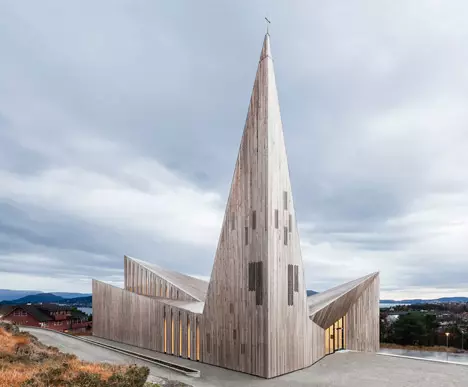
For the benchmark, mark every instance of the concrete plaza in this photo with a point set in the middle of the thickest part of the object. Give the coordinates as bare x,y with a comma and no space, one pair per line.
345,369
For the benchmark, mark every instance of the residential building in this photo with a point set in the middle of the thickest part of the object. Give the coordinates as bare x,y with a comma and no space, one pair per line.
52,316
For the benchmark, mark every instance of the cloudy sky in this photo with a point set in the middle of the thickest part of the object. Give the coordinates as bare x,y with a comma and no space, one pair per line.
120,123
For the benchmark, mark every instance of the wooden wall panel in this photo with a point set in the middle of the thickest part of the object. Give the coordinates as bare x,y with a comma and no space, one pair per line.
138,320
362,321
341,304
229,305
141,280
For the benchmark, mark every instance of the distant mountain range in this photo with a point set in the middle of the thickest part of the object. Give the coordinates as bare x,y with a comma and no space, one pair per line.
421,301
24,296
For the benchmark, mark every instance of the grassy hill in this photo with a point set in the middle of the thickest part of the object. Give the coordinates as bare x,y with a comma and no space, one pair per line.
26,361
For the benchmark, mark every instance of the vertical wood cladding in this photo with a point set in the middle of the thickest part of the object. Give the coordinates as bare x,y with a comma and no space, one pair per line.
143,281
145,322
251,262
255,317
362,320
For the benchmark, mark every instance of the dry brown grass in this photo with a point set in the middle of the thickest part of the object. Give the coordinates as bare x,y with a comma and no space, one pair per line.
23,357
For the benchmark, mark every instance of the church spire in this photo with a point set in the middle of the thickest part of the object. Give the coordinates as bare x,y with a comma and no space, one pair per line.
257,282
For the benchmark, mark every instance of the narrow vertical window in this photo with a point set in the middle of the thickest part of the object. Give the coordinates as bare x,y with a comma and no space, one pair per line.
180,335
246,236
172,332
259,283
197,339
231,308
189,337
290,222
276,219
254,220
234,334
296,278
233,221
165,331
251,276
285,235
208,343
242,349
285,200
290,285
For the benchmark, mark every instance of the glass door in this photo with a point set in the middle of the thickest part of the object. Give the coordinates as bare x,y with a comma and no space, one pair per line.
335,337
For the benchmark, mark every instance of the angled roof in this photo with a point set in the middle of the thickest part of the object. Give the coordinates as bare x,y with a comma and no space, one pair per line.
194,287
32,310
53,307
190,306
6,309
327,307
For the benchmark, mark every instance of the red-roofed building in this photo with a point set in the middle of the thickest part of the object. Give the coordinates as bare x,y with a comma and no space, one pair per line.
52,316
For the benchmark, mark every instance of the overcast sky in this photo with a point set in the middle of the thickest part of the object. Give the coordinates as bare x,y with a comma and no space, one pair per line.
120,123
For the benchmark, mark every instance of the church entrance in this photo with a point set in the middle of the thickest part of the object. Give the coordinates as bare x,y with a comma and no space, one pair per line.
335,337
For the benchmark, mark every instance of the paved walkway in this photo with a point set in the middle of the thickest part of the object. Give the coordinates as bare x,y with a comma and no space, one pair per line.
346,369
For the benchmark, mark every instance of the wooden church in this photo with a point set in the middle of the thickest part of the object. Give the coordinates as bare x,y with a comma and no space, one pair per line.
254,315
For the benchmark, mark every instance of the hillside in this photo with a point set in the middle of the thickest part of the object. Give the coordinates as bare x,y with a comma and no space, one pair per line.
36,298
26,361
10,295
79,300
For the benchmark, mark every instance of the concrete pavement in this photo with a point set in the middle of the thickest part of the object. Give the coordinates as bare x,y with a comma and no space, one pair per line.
347,369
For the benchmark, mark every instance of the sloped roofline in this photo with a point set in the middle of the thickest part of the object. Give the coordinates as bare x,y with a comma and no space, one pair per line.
335,293
154,269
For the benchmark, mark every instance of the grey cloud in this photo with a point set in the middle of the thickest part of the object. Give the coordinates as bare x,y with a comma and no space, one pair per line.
172,83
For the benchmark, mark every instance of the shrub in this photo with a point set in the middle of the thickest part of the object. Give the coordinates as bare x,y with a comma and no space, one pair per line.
134,377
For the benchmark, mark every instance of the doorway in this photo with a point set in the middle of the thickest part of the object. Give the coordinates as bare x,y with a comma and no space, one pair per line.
335,337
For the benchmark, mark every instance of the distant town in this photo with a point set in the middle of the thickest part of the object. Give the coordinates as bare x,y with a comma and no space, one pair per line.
427,324
436,324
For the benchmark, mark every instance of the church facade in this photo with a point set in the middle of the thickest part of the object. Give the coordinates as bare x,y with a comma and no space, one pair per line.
253,315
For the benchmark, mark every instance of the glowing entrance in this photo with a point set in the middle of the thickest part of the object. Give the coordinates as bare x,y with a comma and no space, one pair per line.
335,337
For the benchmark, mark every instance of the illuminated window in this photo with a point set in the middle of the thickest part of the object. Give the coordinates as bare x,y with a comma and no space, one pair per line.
172,332
180,335
165,331
197,339
188,338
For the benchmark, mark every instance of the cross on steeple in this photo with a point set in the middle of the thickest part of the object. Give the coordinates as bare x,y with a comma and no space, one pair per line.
268,23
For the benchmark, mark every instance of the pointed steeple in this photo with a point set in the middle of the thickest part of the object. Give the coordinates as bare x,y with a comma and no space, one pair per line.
266,48
256,302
